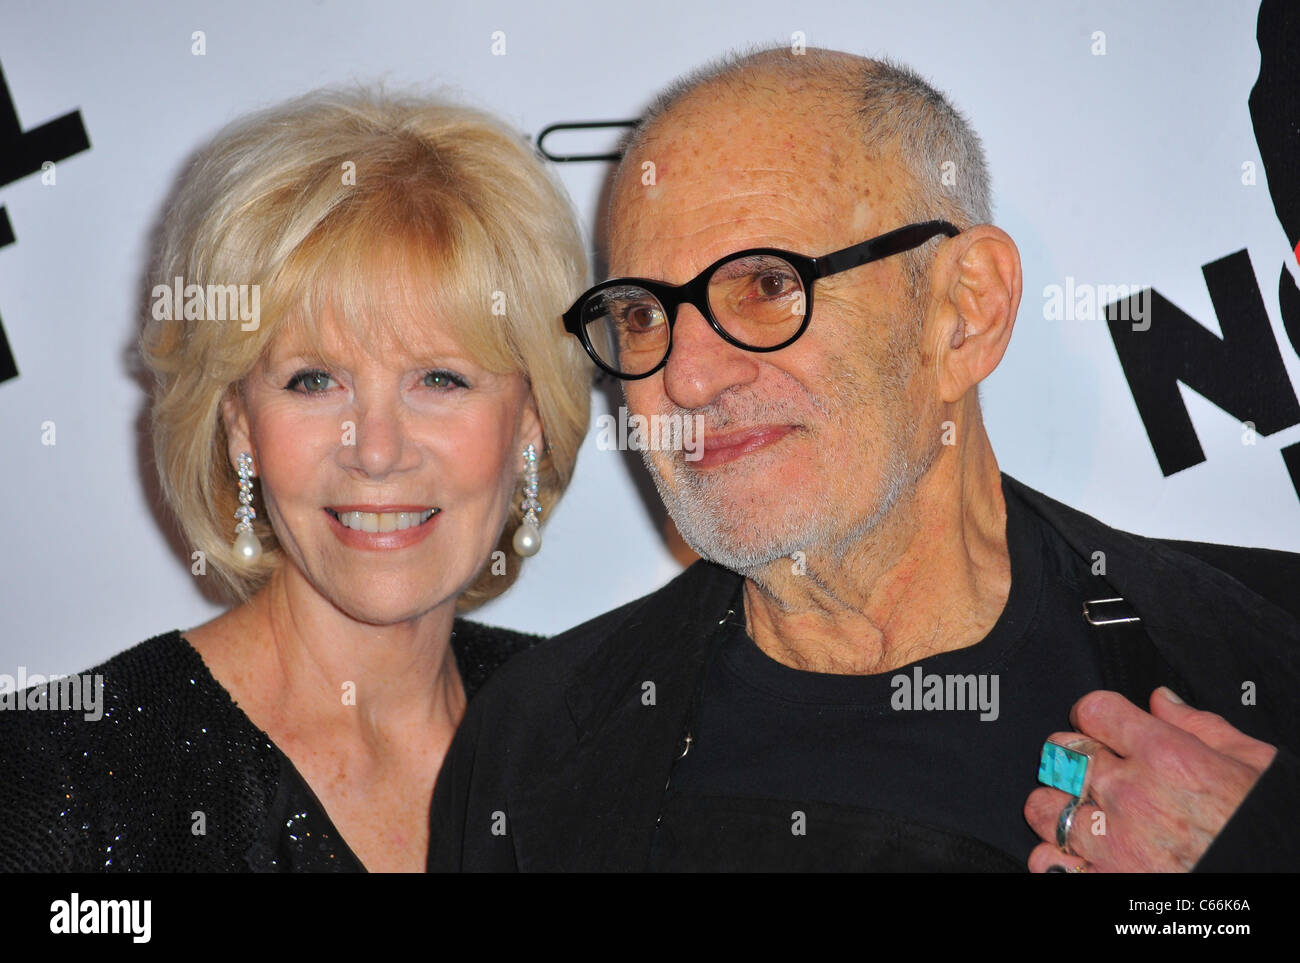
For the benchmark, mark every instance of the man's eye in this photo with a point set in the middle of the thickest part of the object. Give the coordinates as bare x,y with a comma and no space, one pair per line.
310,382
444,380
773,284
641,317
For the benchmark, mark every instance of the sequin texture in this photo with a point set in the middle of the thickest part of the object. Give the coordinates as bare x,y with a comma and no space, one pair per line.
174,777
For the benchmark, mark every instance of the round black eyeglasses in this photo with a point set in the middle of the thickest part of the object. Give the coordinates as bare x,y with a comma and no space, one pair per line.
759,299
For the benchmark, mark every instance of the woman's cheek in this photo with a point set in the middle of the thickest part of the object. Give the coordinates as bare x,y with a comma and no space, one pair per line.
474,454
293,443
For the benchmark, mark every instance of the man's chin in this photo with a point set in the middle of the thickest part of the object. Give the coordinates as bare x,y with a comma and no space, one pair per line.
739,542
746,560
734,522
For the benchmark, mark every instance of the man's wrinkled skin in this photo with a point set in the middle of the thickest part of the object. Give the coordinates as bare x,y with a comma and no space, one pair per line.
1166,784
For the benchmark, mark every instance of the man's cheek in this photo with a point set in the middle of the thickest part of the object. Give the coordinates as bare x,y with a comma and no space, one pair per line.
641,399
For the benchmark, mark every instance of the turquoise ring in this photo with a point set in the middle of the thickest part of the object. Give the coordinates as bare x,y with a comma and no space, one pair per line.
1066,767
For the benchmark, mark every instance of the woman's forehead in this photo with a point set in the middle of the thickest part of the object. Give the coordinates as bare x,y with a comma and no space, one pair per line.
399,331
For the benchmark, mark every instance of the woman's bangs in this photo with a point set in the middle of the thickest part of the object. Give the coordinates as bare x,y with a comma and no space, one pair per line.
411,284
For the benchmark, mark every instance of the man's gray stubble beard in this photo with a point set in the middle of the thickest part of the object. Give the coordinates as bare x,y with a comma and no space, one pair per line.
699,517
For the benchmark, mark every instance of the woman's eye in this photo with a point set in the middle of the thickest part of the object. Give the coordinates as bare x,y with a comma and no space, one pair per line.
444,380
310,382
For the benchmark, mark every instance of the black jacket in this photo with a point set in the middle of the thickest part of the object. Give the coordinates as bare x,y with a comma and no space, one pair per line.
174,777
559,765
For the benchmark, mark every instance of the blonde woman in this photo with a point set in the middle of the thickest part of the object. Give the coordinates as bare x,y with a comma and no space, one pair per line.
363,450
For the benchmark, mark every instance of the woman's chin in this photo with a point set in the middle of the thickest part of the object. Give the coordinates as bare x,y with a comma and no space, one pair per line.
395,613
386,603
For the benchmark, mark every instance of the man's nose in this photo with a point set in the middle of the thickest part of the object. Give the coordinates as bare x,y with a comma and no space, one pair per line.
701,365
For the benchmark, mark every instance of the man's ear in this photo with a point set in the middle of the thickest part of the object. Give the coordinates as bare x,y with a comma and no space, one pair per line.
976,283
235,417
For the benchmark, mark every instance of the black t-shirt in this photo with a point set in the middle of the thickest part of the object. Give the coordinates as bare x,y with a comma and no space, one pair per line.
924,767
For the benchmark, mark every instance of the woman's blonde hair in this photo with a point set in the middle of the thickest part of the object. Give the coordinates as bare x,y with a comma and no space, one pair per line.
317,203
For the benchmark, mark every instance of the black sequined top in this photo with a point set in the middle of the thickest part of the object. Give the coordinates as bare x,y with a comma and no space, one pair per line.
174,777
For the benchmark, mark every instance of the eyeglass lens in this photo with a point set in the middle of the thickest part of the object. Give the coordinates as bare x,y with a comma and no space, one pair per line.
758,299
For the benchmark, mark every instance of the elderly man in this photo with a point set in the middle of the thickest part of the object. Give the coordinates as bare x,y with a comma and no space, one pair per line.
887,635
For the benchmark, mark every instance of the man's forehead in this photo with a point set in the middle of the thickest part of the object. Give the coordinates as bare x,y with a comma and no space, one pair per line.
701,197
765,128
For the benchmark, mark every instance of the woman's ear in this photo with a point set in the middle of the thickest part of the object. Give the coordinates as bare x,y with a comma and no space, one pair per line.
530,429
234,415
977,286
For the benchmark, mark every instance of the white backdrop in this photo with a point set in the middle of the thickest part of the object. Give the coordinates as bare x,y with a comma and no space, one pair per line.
1116,168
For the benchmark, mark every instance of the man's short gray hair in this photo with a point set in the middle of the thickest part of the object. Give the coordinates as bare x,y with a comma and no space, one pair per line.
896,108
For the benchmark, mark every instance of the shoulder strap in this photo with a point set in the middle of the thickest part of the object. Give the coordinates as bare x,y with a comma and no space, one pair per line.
1130,662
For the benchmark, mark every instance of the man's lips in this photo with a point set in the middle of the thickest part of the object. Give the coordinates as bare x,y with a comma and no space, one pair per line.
720,449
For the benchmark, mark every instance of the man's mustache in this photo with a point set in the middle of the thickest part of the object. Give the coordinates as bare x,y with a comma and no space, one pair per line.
732,416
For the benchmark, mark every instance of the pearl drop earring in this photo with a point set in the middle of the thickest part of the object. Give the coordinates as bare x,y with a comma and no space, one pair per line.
247,545
528,537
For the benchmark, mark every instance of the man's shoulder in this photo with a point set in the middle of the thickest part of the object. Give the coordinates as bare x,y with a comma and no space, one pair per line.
1268,573
545,669
480,650
1272,573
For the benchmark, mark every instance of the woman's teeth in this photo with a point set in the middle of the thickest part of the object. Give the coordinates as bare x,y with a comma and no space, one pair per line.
383,522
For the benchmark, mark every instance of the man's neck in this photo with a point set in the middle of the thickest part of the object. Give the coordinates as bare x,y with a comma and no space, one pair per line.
933,576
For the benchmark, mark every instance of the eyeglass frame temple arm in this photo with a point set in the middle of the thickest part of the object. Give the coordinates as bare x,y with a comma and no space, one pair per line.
895,242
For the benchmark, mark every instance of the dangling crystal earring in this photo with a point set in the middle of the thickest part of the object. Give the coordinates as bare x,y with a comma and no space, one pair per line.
528,537
247,545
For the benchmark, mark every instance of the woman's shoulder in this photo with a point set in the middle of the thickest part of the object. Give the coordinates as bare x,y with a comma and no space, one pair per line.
482,649
131,764
152,688
69,712
155,663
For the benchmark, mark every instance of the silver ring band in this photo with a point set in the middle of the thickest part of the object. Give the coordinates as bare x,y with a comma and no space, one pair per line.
1064,823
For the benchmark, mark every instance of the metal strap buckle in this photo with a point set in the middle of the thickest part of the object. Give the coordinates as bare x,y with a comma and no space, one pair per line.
1122,614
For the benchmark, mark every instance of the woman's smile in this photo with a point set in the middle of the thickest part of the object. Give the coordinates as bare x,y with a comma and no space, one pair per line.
381,527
